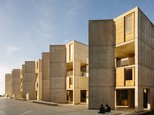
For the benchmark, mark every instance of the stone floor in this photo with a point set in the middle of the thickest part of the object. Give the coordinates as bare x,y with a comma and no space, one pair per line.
18,107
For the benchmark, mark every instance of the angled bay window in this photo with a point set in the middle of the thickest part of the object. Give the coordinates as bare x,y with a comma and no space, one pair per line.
128,24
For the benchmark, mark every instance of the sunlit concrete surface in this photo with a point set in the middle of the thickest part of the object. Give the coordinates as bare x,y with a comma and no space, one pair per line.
16,107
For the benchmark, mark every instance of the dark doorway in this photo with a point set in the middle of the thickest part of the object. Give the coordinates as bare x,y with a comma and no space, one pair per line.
145,98
83,95
125,98
70,96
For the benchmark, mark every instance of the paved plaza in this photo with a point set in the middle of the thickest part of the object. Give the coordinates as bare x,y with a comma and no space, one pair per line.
18,107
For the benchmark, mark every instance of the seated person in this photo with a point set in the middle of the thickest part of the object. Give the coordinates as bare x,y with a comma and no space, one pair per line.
102,109
108,109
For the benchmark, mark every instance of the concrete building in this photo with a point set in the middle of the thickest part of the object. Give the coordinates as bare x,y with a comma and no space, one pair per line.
32,80
77,72
122,61
58,73
16,83
121,64
64,71
8,85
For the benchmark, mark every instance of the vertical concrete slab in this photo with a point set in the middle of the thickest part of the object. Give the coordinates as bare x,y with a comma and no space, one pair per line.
8,85
101,63
16,81
58,73
145,59
29,80
46,76
76,81
23,82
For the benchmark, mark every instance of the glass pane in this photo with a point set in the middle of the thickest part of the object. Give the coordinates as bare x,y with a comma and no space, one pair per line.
128,24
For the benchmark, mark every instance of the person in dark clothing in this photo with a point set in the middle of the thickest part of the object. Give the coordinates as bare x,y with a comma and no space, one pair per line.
102,109
108,109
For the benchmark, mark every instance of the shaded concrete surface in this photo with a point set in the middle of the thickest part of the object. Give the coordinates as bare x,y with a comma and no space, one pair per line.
45,102
17,107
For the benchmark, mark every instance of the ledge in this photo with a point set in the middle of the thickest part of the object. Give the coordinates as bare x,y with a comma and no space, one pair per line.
46,103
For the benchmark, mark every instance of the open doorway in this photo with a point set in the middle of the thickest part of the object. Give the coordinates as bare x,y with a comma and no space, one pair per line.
146,104
125,98
70,96
83,96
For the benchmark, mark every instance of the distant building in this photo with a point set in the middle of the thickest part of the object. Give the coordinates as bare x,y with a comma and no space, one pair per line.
16,83
121,61
64,73
8,85
32,80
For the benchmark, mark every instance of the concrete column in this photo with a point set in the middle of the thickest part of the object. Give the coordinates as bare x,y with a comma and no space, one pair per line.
46,76
16,81
58,73
76,75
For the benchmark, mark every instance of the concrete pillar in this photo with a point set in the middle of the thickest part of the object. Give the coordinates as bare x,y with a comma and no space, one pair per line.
76,75
46,76
58,73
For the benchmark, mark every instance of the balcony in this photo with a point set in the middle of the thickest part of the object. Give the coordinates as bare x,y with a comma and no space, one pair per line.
36,86
20,86
69,83
69,73
125,62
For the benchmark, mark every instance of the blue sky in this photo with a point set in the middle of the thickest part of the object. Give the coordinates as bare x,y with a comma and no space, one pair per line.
28,27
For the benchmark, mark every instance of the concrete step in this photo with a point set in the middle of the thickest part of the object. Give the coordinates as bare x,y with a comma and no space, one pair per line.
46,103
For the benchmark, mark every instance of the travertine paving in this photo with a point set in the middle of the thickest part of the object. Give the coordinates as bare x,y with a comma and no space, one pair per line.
17,107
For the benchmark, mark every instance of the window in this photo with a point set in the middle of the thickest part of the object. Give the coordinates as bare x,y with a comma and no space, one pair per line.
128,74
128,24
70,51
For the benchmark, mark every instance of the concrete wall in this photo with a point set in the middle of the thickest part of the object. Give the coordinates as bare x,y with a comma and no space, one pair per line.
16,81
58,73
8,85
29,79
101,63
80,52
46,76
145,58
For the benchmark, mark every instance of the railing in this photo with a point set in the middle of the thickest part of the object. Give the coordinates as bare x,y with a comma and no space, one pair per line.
125,62
69,73
84,74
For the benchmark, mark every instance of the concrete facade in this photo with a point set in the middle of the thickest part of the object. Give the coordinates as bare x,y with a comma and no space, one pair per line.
46,76
145,62
101,63
133,52
77,72
64,73
29,78
58,73
16,82
8,85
